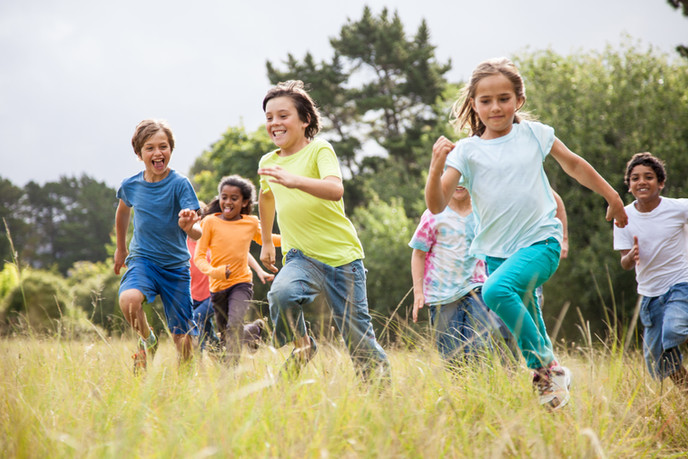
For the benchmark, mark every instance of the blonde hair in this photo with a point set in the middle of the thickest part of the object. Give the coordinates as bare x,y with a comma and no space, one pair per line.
462,111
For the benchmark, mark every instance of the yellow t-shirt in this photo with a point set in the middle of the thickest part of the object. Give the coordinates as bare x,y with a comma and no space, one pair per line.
317,227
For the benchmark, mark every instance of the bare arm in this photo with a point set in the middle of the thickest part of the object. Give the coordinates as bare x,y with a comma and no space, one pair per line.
188,221
586,175
441,183
329,188
561,215
418,273
266,210
630,258
262,275
122,217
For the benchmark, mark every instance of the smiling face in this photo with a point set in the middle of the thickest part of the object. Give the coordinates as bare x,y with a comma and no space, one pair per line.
155,154
496,104
231,202
284,126
645,187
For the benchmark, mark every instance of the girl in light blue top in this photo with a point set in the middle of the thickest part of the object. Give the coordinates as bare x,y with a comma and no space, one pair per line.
518,233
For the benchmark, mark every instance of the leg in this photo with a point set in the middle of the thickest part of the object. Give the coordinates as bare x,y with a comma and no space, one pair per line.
203,316
345,288
510,285
445,319
174,286
674,333
238,302
184,345
131,304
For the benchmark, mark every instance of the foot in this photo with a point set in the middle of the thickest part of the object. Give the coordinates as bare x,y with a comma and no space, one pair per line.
253,334
146,349
298,359
553,384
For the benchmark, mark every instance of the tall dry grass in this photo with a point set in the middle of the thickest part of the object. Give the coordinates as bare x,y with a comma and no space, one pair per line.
67,398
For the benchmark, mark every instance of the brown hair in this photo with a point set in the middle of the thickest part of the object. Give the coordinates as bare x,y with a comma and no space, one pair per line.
146,129
645,159
462,111
305,106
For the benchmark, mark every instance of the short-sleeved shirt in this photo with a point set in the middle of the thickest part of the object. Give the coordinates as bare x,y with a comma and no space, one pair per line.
157,235
450,271
661,244
511,195
317,227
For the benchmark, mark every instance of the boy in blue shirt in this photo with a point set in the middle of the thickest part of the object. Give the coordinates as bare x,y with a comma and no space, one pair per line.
157,260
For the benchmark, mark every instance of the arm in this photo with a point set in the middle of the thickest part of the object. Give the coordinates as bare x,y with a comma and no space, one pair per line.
561,215
586,175
262,275
329,188
122,217
200,259
266,209
440,183
188,221
630,258
417,273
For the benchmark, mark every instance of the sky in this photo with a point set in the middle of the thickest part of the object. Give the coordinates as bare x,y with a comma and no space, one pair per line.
76,76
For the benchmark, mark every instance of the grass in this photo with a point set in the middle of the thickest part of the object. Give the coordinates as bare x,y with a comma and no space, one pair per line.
67,398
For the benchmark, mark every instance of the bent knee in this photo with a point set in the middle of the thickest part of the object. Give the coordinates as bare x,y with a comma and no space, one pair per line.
131,300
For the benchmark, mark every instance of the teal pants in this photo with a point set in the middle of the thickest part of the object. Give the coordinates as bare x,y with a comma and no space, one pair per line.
510,292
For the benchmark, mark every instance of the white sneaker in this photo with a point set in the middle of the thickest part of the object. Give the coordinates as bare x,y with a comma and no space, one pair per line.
553,387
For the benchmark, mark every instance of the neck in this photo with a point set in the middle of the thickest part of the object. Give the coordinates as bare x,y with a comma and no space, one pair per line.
649,205
295,148
156,178
462,208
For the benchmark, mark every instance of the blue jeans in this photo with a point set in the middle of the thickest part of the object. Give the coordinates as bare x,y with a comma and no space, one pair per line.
665,319
510,292
303,279
464,327
203,316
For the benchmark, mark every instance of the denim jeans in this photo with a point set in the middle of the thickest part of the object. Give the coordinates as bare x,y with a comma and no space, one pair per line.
203,316
464,328
303,279
510,292
665,319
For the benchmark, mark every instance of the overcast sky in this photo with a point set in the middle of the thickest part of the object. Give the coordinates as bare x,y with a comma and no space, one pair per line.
76,76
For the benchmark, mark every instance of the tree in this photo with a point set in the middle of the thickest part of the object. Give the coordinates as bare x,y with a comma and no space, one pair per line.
683,4
15,228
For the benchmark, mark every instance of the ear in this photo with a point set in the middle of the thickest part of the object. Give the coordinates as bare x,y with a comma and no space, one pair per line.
473,104
521,103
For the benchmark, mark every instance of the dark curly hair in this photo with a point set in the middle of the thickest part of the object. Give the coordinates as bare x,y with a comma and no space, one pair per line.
248,193
646,159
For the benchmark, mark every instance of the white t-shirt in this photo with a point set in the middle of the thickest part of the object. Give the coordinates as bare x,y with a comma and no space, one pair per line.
511,196
661,244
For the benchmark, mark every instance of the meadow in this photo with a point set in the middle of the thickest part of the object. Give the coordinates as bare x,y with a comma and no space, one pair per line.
79,398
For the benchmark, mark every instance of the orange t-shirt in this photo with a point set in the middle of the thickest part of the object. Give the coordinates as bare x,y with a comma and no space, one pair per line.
229,243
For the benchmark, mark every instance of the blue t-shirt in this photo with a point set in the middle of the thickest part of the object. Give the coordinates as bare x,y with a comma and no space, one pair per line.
157,235
511,196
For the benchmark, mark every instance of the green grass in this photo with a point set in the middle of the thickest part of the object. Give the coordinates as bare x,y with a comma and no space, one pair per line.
61,398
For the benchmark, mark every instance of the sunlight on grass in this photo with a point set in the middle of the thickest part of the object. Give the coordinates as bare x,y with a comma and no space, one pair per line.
62,398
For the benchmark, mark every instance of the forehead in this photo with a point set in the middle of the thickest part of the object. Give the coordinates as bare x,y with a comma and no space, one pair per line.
231,190
642,169
494,84
282,103
158,137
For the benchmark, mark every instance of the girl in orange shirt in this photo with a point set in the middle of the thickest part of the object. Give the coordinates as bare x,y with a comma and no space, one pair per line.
228,230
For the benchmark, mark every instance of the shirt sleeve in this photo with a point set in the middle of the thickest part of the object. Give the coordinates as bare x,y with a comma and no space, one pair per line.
544,135
328,164
425,236
200,258
623,239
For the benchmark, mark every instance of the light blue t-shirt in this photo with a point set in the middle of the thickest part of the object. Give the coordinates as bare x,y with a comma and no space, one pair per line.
509,189
450,272
157,235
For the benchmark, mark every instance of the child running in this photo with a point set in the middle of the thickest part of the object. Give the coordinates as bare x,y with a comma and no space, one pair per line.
165,212
518,234
228,229
302,182
655,244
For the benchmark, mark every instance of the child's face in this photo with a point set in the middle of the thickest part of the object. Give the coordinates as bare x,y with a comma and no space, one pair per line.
643,184
231,202
155,154
460,195
284,126
496,104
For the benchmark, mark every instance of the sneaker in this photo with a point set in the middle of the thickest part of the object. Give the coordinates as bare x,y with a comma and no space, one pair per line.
253,334
145,350
553,386
298,359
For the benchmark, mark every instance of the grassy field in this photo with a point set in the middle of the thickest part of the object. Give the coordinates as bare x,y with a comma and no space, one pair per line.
61,398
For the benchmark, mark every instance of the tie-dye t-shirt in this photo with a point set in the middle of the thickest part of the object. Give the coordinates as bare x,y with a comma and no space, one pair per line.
450,272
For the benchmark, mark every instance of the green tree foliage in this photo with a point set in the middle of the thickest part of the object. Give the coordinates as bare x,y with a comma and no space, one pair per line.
606,107
378,94
237,152
10,196
94,288
683,4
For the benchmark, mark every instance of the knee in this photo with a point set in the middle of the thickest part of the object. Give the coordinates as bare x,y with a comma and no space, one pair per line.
282,297
130,301
494,294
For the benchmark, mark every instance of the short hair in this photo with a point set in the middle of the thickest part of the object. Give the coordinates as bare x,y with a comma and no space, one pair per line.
305,106
147,129
646,159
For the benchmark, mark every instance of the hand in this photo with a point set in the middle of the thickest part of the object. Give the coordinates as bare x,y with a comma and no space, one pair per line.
227,272
418,303
564,249
280,176
634,253
119,258
440,150
267,256
264,276
187,219
617,212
